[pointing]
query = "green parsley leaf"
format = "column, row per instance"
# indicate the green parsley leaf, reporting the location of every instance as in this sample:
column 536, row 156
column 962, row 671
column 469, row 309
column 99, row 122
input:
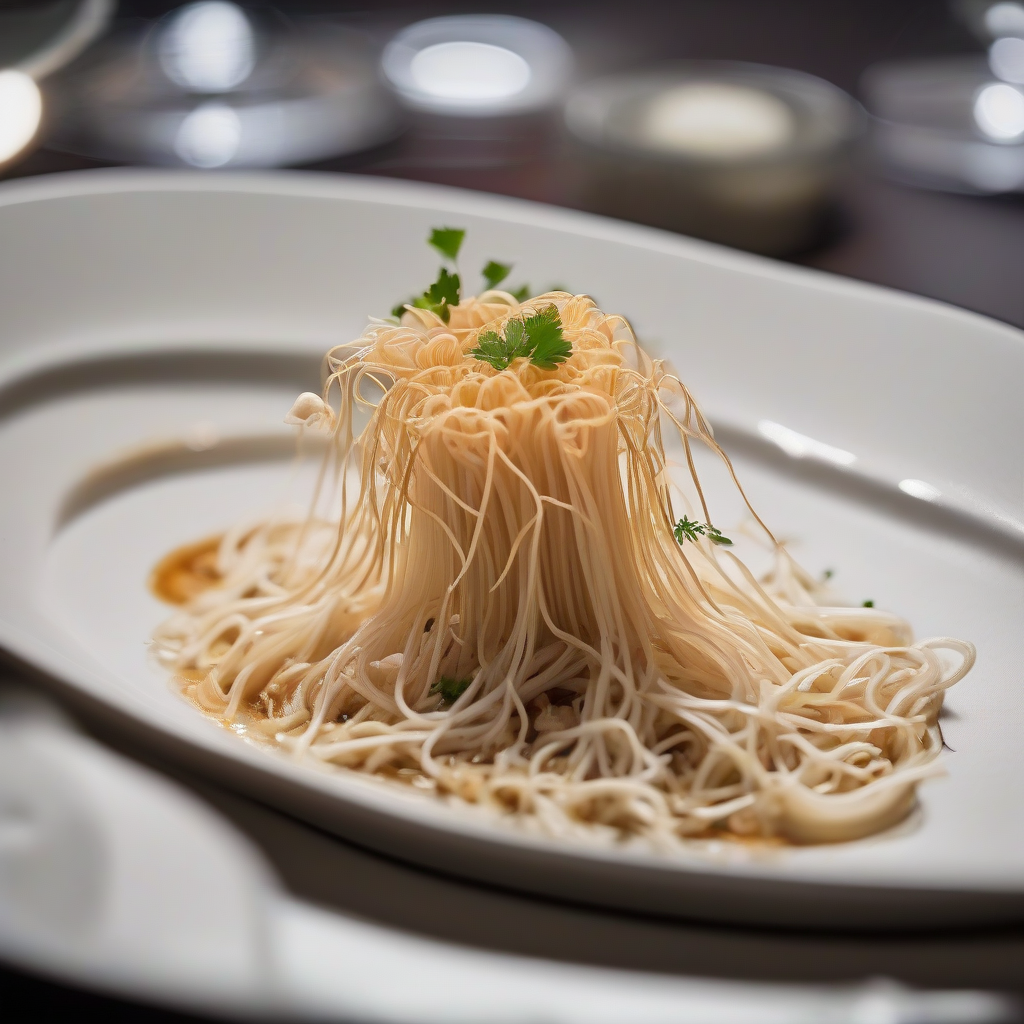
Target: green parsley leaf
column 549, row 348
column 501, row 351
column 521, row 294
column 828, row 574
column 441, row 295
column 450, row 690
column 447, row 241
column 716, row 537
column 517, row 341
column 445, row 289
column 537, row 338
column 687, row 530
column 494, row 273
column 868, row 604
column 491, row 349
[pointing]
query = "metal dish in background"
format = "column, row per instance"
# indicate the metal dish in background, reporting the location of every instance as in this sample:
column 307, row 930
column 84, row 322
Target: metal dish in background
column 478, row 65
column 481, row 91
column 742, row 154
column 948, row 124
column 212, row 86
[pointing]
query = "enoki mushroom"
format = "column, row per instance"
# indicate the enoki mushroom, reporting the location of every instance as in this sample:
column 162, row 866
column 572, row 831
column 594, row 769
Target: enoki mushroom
column 501, row 614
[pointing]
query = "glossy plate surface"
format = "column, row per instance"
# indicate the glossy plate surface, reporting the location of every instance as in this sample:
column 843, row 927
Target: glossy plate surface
column 155, row 327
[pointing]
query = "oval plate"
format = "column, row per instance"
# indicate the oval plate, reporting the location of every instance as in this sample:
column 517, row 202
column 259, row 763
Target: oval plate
column 173, row 316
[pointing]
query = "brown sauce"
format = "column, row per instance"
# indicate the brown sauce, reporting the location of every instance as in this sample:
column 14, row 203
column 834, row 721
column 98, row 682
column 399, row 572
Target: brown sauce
column 186, row 571
column 756, row 841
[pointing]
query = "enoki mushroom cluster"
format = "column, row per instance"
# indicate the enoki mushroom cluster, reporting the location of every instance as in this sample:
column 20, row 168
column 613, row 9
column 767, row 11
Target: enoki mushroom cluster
column 501, row 613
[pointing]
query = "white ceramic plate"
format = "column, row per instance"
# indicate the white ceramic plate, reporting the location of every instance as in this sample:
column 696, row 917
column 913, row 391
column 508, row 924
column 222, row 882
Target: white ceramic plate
column 177, row 315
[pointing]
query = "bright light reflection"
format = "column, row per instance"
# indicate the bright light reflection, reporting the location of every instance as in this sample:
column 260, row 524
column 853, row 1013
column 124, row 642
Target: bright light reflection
column 920, row 489
column 999, row 112
column 1006, row 59
column 209, row 136
column 799, row 446
column 1005, row 19
column 21, row 109
column 718, row 119
column 208, row 47
column 469, row 73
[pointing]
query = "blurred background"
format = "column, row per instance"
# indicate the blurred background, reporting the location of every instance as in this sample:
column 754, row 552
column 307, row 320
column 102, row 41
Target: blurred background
column 882, row 139
column 879, row 139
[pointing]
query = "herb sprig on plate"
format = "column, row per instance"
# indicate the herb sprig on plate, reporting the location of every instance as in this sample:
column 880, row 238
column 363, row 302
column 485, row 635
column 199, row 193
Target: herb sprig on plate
column 687, row 529
column 449, row 689
column 446, row 291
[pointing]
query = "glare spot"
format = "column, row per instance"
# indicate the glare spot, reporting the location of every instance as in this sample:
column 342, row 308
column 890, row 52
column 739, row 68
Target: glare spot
column 920, row 489
column 209, row 136
column 718, row 120
column 21, row 109
column 999, row 112
column 1005, row 19
column 799, row 446
column 469, row 73
column 208, row 47
column 1006, row 59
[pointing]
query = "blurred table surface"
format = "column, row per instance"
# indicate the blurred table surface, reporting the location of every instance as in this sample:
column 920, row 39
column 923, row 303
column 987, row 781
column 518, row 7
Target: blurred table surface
column 965, row 250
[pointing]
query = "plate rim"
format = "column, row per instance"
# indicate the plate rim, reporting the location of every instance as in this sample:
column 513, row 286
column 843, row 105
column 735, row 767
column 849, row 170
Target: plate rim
column 403, row 192
column 68, row 675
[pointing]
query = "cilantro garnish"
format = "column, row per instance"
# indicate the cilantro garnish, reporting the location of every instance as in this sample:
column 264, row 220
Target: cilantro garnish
column 438, row 298
column 450, row 690
column 544, row 329
column 494, row 273
column 685, row 529
column 447, row 241
column 537, row 338
column 441, row 295
column 445, row 292
column 500, row 351
column 868, row 604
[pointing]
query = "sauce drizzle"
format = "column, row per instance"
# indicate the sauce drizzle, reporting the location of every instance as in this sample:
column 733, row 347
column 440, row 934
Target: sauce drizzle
column 186, row 571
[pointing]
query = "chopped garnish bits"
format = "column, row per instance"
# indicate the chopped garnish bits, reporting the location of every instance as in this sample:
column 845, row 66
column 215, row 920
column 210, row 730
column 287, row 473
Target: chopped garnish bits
column 446, row 291
column 686, row 529
column 438, row 298
column 450, row 690
column 537, row 337
column 494, row 273
column 447, row 241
